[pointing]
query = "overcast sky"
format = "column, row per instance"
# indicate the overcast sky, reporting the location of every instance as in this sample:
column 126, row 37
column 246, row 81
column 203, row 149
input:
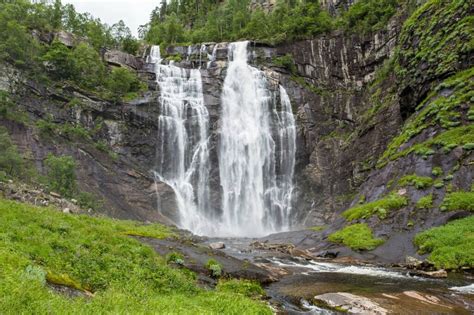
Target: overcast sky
column 133, row 12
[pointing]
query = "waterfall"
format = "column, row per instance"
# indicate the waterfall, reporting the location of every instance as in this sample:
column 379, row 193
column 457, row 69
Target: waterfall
column 256, row 165
column 256, row 148
column 183, row 152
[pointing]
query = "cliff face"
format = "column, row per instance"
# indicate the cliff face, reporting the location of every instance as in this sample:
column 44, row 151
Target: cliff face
column 362, row 105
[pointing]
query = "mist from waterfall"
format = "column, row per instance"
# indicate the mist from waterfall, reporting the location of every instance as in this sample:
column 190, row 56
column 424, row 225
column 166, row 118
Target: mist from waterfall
column 256, row 164
column 256, row 148
column 183, row 149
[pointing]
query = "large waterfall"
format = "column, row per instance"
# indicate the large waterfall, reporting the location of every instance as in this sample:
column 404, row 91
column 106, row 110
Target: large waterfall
column 256, row 148
column 255, row 163
column 183, row 149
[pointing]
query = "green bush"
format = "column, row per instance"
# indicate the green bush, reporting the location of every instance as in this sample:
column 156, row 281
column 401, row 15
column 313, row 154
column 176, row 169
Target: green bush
column 88, row 68
column 122, row 81
column 89, row 201
column 175, row 258
column 59, row 61
column 11, row 162
column 379, row 207
column 214, row 267
column 287, row 62
column 61, row 174
column 357, row 237
column 459, row 201
column 450, row 245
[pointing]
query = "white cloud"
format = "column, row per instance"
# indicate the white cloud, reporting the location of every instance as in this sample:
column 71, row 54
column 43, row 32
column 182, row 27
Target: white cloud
column 133, row 12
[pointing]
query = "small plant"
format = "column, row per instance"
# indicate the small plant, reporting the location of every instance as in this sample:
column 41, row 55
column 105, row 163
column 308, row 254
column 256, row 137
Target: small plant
column 35, row 273
column 214, row 267
column 175, row 258
column 437, row 171
column 89, row 201
column 425, row 202
column 287, row 62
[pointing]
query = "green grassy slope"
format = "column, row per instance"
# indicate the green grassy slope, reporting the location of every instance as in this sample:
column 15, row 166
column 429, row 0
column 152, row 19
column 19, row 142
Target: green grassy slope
column 117, row 273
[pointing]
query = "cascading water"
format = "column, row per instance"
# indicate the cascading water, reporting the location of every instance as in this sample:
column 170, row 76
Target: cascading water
column 256, row 165
column 256, row 151
column 183, row 149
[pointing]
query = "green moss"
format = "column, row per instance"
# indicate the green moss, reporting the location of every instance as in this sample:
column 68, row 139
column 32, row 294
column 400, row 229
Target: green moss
column 437, row 111
column 357, row 237
column 459, row 201
column 247, row 288
column 319, row 228
column 379, row 207
column 425, row 202
column 419, row 182
column 94, row 254
column 450, row 246
column 437, row 171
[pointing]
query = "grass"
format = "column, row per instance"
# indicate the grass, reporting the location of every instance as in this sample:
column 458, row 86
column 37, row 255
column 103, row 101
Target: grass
column 458, row 201
column 451, row 245
column 247, row 288
column 419, row 182
column 357, row 237
column 123, row 276
column 425, row 202
column 379, row 207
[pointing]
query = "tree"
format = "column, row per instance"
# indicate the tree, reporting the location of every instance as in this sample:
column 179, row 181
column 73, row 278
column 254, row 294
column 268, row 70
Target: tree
column 61, row 174
column 122, row 81
column 88, row 68
column 59, row 61
column 11, row 163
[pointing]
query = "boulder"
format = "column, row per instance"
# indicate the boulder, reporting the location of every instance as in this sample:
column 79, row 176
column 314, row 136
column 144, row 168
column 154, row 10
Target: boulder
column 121, row 59
column 413, row 262
column 218, row 245
column 351, row 303
column 430, row 274
column 68, row 39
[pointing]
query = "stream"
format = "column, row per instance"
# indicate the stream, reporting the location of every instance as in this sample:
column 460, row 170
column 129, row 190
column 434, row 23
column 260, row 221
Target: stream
column 391, row 288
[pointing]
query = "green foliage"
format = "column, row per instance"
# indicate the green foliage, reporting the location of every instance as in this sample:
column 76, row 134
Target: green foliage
column 425, row 202
column 11, row 162
column 88, row 201
column 434, row 40
column 357, row 237
column 214, row 267
column 247, row 288
column 89, row 70
column 437, row 171
column 459, row 201
column 122, row 81
column 419, row 182
column 440, row 111
column 450, row 245
column 59, row 61
column 175, row 258
column 368, row 16
column 95, row 254
column 61, row 174
column 287, row 62
column 379, row 207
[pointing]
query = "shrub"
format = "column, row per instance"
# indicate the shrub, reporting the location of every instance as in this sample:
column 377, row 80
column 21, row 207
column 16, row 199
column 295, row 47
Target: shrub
column 59, row 61
column 11, row 162
column 287, row 62
column 437, row 171
column 175, row 257
column 450, row 245
column 379, row 207
column 88, row 68
column 123, row 81
column 61, row 174
column 214, row 267
column 357, row 237
column 459, row 201
column 88, row 201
